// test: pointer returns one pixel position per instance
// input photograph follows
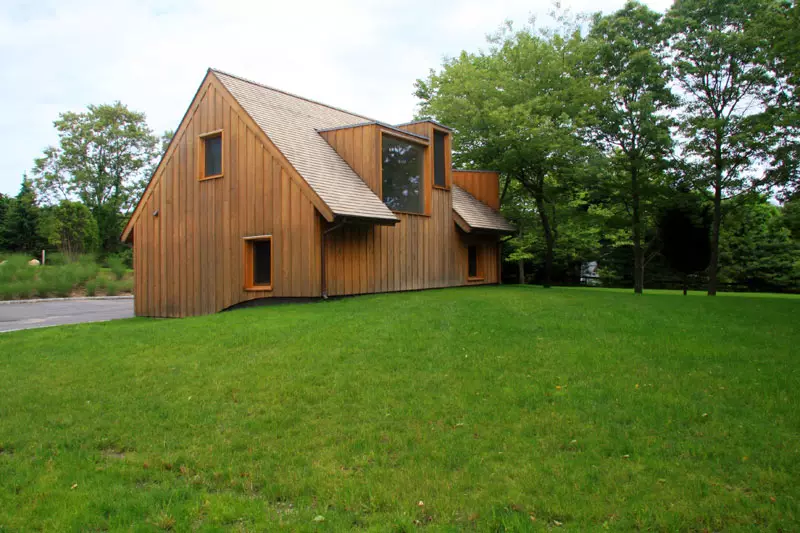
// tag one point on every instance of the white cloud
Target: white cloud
(151, 55)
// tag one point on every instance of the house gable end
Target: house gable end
(211, 81)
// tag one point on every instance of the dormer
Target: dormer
(401, 164)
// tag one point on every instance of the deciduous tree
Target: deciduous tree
(517, 108)
(723, 72)
(102, 159)
(632, 123)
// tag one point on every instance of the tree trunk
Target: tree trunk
(549, 241)
(638, 252)
(521, 262)
(713, 265)
(714, 262)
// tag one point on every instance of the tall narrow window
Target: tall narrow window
(211, 155)
(439, 159)
(472, 262)
(402, 184)
(258, 263)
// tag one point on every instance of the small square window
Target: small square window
(258, 263)
(211, 155)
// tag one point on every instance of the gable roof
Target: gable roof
(292, 123)
(476, 215)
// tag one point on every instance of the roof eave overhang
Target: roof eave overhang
(375, 221)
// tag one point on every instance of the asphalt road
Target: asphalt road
(14, 316)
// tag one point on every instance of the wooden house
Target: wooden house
(264, 194)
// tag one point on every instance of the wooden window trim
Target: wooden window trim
(248, 263)
(447, 158)
(201, 160)
(425, 148)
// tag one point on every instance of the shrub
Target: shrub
(6, 291)
(117, 265)
(56, 259)
(23, 289)
(91, 287)
(112, 287)
(126, 285)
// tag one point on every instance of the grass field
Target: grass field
(497, 408)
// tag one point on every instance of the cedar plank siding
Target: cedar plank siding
(419, 252)
(188, 259)
(484, 185)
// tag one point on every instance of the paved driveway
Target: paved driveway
(15, 316)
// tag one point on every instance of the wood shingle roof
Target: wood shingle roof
(292, 123)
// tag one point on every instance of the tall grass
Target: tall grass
(117, 266)
(59, 278)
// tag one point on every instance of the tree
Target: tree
(102, 159)
(632, 122)
(22, 221)
(756, 247)
(72, 229)
(780, 27)
(517, 109)
(723, 72)
(5, 206)
(791, 215)
(684, 227)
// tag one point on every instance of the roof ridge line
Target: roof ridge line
(293, 95)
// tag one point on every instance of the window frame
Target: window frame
(423, 191)
(201, 160)
(248, 255)
(446, 136)
(478, 274)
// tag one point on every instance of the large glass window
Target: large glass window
(403, 187)
(439, 167)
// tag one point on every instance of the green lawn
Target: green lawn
(479, 408)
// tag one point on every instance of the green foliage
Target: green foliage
(791, 216)
(632, 122)
(20, 280)
(117, 265)
(5, 207)
(757, 248)
(517, 108)
(490, 405)
(102, 158)
(723, 69)
(91, 287)
(112, 287)
(21, 228)
(72, 229)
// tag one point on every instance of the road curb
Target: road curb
(77, 299)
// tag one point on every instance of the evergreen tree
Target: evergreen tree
(21, 228)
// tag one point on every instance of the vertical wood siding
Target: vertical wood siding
(482, 184)
(189, 258)
(188, 239)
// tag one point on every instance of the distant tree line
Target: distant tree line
(83, 189)
(662, 146)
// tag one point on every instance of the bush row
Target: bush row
(19, 280)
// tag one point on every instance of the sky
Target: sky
(362, 56)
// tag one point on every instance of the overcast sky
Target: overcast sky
(60, 55)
